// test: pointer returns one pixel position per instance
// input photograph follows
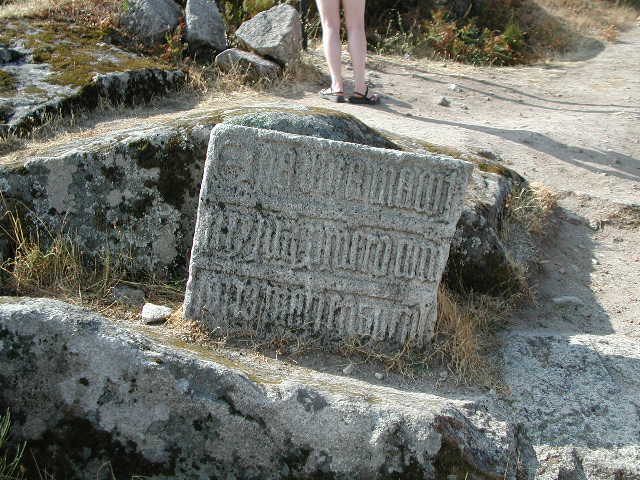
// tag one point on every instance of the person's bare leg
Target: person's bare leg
(330, 18)
(354, 18)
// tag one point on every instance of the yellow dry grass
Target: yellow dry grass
(530, 208)
(464, 334)
(28, 8)
(592, 17)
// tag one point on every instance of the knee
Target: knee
(355, 29)
(330, 31)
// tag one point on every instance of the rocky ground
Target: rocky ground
(570, 361)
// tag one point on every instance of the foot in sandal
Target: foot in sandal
(365, 98)
(328, 94)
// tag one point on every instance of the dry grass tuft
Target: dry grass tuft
(464, 333)
(530, 208)
(190, 330)
(626, 217)
(46, 262)
(51, 264)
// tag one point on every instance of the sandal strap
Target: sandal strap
(363, 95)
(328, 91)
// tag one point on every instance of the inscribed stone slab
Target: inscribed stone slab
(304, 236)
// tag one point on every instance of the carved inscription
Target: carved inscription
(279, 171)
(265, 306)
(304, 236)
(319, 245)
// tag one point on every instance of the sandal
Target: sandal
(364, 98)
(328, 94)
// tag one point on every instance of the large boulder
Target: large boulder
(253, 66)
(151, 20)
(275, 33)
(206, 31)
(84, 391)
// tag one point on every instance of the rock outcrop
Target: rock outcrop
(578, 398)
(275, 33)
(136, 190)
(84, 391)
(63, 67)
(479, 259)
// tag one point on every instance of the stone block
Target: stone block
(275, 33)
(253, 66)
(310, 237)
(206, 31)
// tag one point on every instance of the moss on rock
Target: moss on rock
(75, 52)
(7, 82)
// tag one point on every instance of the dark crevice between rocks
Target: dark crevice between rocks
(458, 456)
(450, 461)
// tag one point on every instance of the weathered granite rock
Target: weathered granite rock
(578, 397)
(135, 191)
(316, 122)
(479, 259)
(253, 66)
(131, 192)
(310, 237)
(151, 20)
(65, 67)
(84, 391)
(206, 31)
(275, 33)
(152, 314)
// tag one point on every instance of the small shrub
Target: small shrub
(176, 45)
(470, 43)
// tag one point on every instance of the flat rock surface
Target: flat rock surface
(152, 405)
(58, 61)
